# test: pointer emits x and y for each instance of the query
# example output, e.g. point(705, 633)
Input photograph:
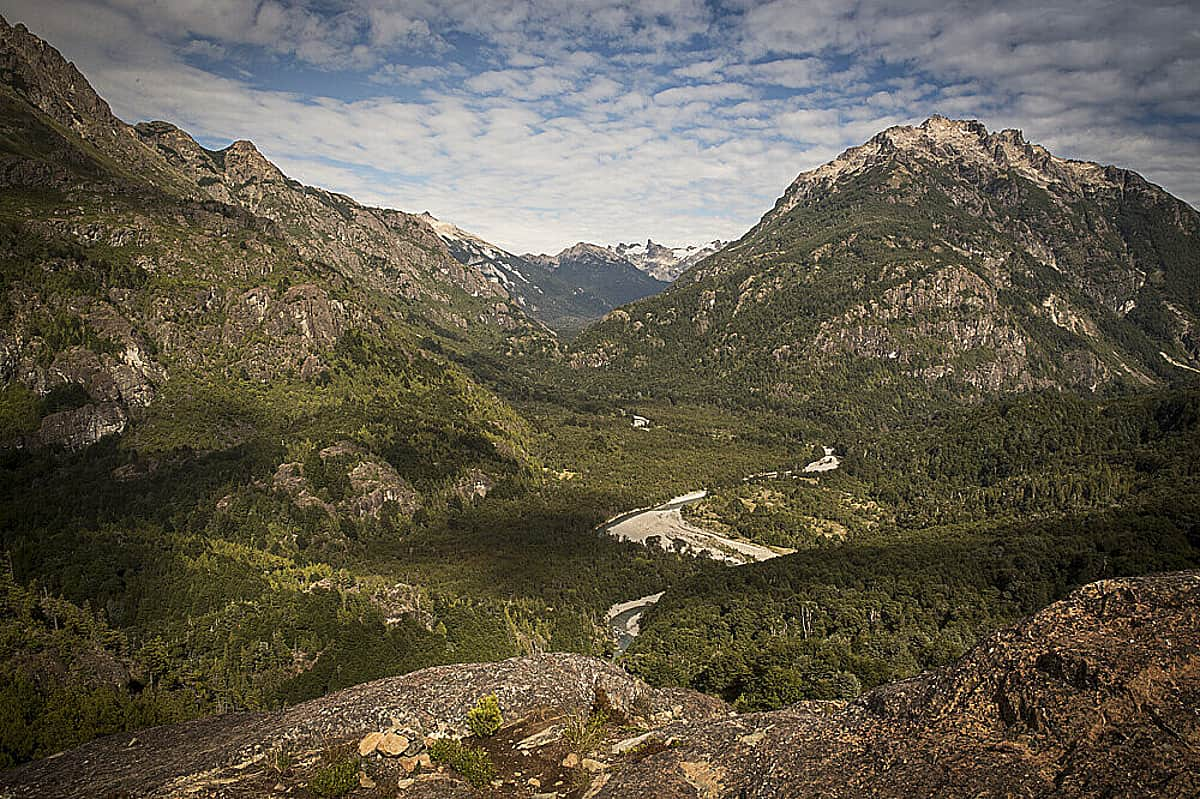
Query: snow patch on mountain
point(494, 263)
point(663, 262)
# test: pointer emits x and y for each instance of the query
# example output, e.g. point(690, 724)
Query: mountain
point(215, 383)
point(262, 447)
point(540, 290)
point(1094, 695)
point(666, 263)
point(601, 272)
point(936, 261)
point(139, 261)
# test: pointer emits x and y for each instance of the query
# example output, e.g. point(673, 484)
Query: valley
point(664, 526)
point(279, 470)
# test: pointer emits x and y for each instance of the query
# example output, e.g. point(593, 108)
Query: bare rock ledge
point(1095, 695)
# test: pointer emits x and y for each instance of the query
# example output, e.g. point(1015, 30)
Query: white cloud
point(537, 123)
point(705, 93)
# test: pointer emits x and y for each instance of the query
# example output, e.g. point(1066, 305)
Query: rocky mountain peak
point(39, 73)
point(963, 146)
point(245, 160)
point(583, 249)
point(663, 262)
point(1006, 267)
point(938, 124)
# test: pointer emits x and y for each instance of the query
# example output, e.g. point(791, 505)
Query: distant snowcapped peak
point(663, 262)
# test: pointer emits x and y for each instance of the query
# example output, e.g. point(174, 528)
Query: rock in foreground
point(1095, 695)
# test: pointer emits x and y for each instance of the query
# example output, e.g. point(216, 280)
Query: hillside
point(1092, 696)
point(264, 450)
point(936, 261)
point(219, 389)
point(135, 256)
point(600, 271)
point(540, 290)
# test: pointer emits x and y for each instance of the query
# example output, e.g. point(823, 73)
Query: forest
point(201, 589)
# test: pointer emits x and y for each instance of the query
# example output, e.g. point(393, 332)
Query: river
point(665, 525)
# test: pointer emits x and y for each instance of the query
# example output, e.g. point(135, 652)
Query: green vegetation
point(336, 776)
point(67, 677)
point(928, 539)
point(485, 718)
point(471, 762)
point(20, 411)
point(583, 732)
point(879, 302)
point(340, 464)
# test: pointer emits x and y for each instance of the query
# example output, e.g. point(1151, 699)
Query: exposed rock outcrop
point(368, 485)
point(144, 254)
point(1094, 695)
point(943, 258)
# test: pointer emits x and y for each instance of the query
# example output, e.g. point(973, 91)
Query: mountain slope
point(218, 389)
point(600, 271)
point(941, 260)
point(540, 290)
point(211, 260)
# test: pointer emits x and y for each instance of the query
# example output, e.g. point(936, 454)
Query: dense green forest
point(927, 539)
point(210, 591)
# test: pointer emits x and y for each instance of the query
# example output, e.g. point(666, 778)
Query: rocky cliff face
point(944, 258)
point(1095, 695)
point(134, 257)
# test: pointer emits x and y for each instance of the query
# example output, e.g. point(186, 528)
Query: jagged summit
point(942, 257)
point(37, 70)
point(663, 262)
point(585, 249)
point(964, 144)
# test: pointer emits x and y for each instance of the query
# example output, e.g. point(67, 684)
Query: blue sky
point(538, 124)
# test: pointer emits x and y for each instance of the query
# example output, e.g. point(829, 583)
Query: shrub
point(280, 760)
point(485, 719)
point(583, 732)
point(470, 761)
point(336, 777)
point(19, 411)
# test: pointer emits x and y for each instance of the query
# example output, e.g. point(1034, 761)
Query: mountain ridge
point(663, 262)
point(600, 271)
point(942, 258)
point(262, 444)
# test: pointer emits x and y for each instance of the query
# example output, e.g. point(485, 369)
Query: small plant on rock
point(336, 776)
point(280, 759)
point(470, 761)
point(583, 732)
point(485, 718)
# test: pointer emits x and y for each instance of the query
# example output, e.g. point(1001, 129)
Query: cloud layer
point(538, 123)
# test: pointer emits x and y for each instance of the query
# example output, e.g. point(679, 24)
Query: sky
point(539, 123)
